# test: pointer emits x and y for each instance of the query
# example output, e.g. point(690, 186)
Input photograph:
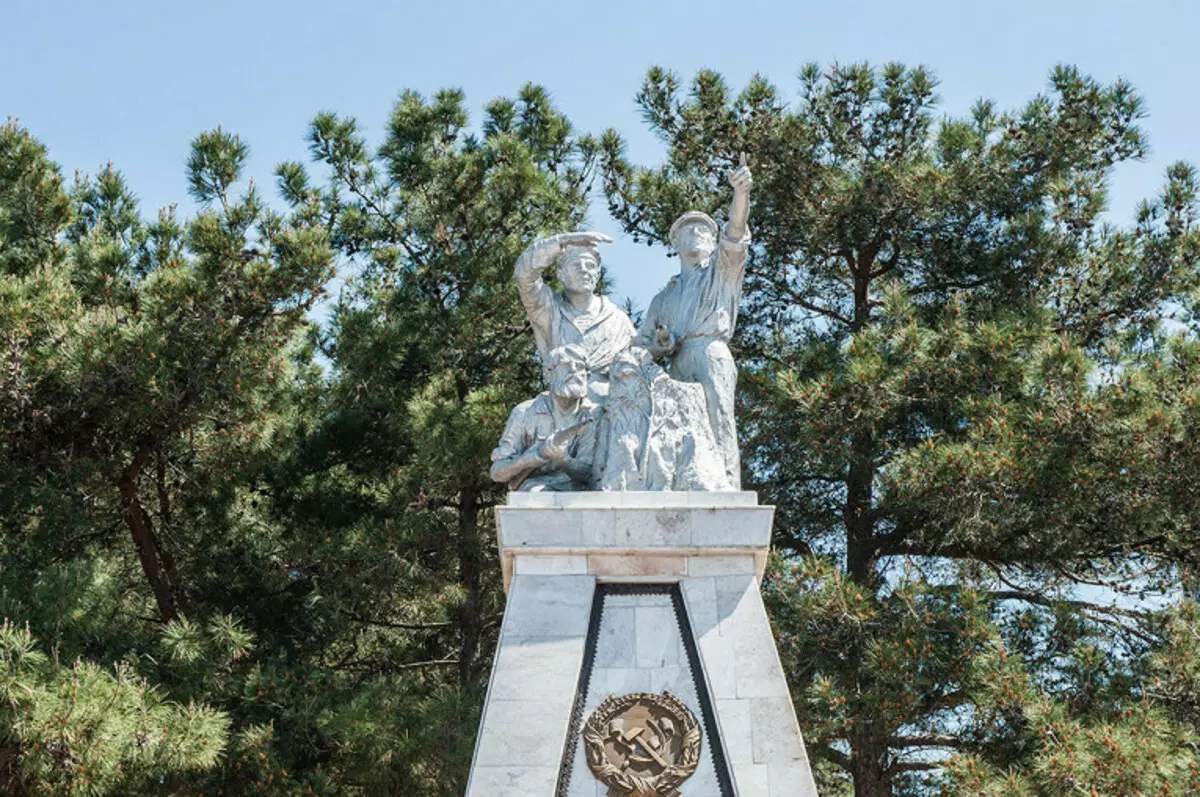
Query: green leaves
point(217, 643)
point(214, 165)
point(149, 368)
point(33, 206)
point(88, 730)
point(955, 378)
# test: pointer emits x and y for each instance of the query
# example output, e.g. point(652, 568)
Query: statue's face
point(695, 241)
point(625, 378)
point(622, 369)
point(568, 379)
point(580, 272)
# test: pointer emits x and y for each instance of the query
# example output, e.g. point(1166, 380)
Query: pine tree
point(142, 376)
point(387, 490)
point(33, 206)
point(961, 389)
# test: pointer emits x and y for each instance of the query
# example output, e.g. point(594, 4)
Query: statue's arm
point(734, 244)
point(516, 454)
point(732, 253)
point(582, 466)
point(739, 209)
point(534, 292)
point(542, 254)
point(653, 335)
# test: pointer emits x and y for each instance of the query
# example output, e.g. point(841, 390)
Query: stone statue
point(654, 434)
point(550, 441)
point(691, 320)
point(612, 419)
point(577, 315)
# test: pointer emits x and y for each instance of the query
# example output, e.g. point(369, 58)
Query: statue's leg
point(709, 362)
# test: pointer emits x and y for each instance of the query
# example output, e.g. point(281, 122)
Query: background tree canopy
point(244, 553)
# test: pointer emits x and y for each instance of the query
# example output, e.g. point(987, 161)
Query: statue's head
point(579, 269)
point(566, 371)
point(694, 235)
point(629, 361)
point(628, 370)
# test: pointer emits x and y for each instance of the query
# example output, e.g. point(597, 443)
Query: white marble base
point(555, 547)
point(654, 534)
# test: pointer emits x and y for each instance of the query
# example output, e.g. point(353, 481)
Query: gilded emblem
point(642, 745)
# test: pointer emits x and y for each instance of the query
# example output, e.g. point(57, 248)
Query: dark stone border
point(575, 724)
point(715, 748)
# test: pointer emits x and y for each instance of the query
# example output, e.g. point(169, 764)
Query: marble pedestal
point(611, 593)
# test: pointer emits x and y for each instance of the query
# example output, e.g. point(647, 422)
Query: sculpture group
point(626, 408)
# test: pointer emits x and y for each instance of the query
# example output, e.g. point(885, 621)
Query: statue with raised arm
point(549, 442)
point(578, 315)
point(690, 322)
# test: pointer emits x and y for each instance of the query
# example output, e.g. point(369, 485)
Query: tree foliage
point(243, 551)
point(973, 400)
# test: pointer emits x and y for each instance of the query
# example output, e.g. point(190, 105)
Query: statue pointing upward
point(691, 320)
point(650, 431)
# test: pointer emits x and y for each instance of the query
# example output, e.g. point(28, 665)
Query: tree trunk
point(861, 545)
point(11, 781)
point(869, 764)
point(868, 747)
point(142, 531)
point(164, 524)
point(470, 567)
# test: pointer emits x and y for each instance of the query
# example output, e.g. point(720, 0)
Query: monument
point(635, 657)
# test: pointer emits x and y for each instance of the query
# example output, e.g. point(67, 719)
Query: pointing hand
point(740, 177)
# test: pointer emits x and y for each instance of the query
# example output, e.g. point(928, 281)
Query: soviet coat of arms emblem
point(642, 744)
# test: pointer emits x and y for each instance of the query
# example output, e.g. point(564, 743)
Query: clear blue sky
point(133, 82)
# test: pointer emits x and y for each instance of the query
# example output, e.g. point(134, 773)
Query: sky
point(134, 82)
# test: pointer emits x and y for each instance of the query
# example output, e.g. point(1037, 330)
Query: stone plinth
point(611, 593)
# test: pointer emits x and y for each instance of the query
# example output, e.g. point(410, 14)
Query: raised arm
point(733, 244)
point(739, 208)
point(534, 292)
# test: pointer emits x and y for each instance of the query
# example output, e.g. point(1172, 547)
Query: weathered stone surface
point(655, 433)
point(530, 733)
point(556, 606)
point(550, 565)
point(634, 564)
point(512, 781)
point(698, 566)
point(545, 661)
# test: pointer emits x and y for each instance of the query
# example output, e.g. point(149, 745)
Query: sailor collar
point(574, 317)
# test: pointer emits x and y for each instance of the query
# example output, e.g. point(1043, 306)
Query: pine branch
point(830, 754)
point(931, 740)
point(916, 766)
point(812, 307)
point(1087, 608)
point(400, 626)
